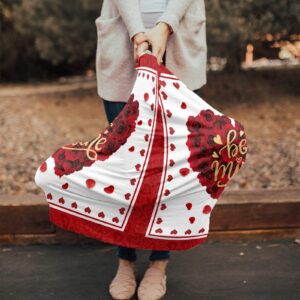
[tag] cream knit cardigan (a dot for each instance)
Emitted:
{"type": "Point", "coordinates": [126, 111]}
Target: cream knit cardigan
{"type": "Point", "coordinates": [120, 20]}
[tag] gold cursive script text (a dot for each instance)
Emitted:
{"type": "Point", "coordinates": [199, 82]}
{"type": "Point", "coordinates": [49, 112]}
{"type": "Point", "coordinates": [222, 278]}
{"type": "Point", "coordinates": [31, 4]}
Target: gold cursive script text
{"type": "Point", "coordinates": [96, 143]}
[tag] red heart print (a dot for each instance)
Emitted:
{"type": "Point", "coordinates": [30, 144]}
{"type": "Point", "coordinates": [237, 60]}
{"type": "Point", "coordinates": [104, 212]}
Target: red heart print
{"type": "Point", "coordinates": [183, 105]}
{"type": "Point", "coordinates": [142, 152]}
{"type": "Point", "coordinates": [152, 106]}
{"type": "Point", "coordinates": [143, 74]}
{"type": "Point", "coordinates": [65, 186]}
{"type": "Point", "coordinates": [109, 189]}
{"type": "Point", "coordinates": [206, 209]}
{"type": "Point", "coordinates": [147, 76]}
{"type": "Point", "coordinates": [101, 214]}
{"type": "Point", "coordinates": [188, 231]}
{"type": "Point", "coordinates": [215, 145]}
{"type": "Point", "coordinates": [153, 91]}
{"type": "Point", "coordinates": [49, 196]}
{"type": "Point", "coordinates": [74, 205]}
{"type": "Point", "coordinates": [176, 84]}
{"type": "Point", "coordinates": [164, 95]}
{"type": "Point", "coordinates": [140, 122]}
{"type": "Point", "coordinates": [189, 205]}
{"type": "Point", "coordinates": [131, 149]}
{"type": "Point", "coordinates": [169, 114]}
{"type": "Point", "coordinates": [149, 122]}
{"type": "Point", "coordinates": [171, 130]}
{"type": "Point", "coordinates": [201, 230]}
{"type": "Point", "coordinates": [132, 181]}
{"type": "Point", "coordinates": [163, 206]}
{"type": "Point", "coordinates": [192, 220]}
{"type": "Point", "coordinates": [137, 167]}
{"type": "Point", "coordinates": [172, 147]}
{"type": "Point", "coordinates": [43, 167]}
{"type": "Point", "coordinates": [172, 162]}
{"type": "Point", "coordinates": [87, 210]}
{"type": "Point", "coordinates": [170, 177]}
{"type": "Point", "coordinates": [153, 78]}
{"type": "Point", "coordinates": [162, 82]}
{"type": "Point", "coordinates": [146, 96]}
{"type": "Point", "coordinates": [61, 200]}
{"type": "Point", "coordinates": [146, 137]}
{"type": "Point", "coordinates": [167, 192]}
{"type": "Point", "coordinates": [158, 230]}
{"type": "Point", "coordinates": [174, 231]}
{"type": "Point", "coordinates": [159, 220]}
{"type": "Point", "coordinates": [115, 220]}
{"type": "Point", "coordinates": [90, 183]}
{"type": "Point", "coordinates": [122, 210]}
{"type": "Point", "coordinates": [127, 196]}
{"type": "Point", "coordinates": [184, 171]}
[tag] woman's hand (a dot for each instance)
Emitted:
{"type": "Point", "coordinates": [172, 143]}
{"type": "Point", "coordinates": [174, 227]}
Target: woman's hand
{"type": "Point", "coordinates": [140, 44]}
{"type": "Point", "coordinates": [157, 37]}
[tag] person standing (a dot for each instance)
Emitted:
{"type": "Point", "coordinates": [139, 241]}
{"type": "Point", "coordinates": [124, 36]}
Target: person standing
{"type": "Point", "coordinates": [175, 30]}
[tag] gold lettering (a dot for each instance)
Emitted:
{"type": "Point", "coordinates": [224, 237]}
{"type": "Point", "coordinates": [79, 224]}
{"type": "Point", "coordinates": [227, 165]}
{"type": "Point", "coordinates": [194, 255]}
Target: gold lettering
{"type": "Point", "coordinates": [242, 147]}
{"type": "Point", "coordinates": [223, 167]}
{"type": "Point", "coordinates": [91, 153]}
{"type": "Point", "coordinates": [230, 152]}
{"type": "Point", "coordinates": [233, 149]}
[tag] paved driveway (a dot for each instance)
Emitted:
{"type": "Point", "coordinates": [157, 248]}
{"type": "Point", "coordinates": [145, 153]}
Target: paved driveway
{"type": "Point", "coordinates": [214, 270]}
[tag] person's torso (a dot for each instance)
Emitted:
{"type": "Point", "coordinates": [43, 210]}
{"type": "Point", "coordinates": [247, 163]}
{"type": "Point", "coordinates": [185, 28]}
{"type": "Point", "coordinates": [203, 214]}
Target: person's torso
{"type": "Point", "coordinates": [186, 52]}
{"type": "Point", "coordinates": [151, 10]}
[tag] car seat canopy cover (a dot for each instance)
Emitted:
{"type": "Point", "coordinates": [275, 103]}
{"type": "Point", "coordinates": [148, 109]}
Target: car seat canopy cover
{"type": "Point", "coordinates": [152, 177]}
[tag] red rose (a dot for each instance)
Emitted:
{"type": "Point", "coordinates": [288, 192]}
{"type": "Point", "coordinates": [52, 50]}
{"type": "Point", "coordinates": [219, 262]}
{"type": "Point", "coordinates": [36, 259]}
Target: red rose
{"type": "Point", "coordinates": [208, 135]}
{"type": "Point", "coordinates": [68, 161]}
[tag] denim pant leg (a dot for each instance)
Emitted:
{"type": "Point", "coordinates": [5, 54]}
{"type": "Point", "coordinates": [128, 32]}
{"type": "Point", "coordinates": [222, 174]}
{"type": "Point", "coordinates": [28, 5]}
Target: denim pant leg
{"type": "Point", "coordinates": [112, 109]}
{"type": "Point", "coordinates": [159, 255]}
{"type": "Point", "coordinates": [126, 253]}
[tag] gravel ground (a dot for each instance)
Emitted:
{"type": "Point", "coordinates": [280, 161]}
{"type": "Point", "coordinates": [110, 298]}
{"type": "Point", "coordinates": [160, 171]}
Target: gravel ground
{"type": "Point", "coordinates": [267, 104]}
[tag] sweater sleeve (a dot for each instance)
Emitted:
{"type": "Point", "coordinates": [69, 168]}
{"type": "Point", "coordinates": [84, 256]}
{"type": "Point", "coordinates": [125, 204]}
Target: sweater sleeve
{"type": "Point", "coordinates": [174, 12]}
{"type": "Point", "coordinates": [131, 15]}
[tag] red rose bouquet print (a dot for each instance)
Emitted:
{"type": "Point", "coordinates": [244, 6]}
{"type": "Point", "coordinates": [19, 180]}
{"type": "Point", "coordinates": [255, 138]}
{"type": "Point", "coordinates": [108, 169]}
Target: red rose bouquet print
{"type": "Point", "coordinates": [151, 179]}
{"type": "Point", "coordinates": [74, 157]}
{"type": "Point", "coordinates": [217, 149]}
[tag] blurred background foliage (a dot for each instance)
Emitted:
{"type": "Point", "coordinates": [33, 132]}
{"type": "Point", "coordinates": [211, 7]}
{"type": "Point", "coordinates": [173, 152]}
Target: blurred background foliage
{"type": "Point", "coordinates": [50, 38]}
{"type": "Point", "coordinates": [233, 24]}
{"type": "Point", "coordinates": [43, 39]}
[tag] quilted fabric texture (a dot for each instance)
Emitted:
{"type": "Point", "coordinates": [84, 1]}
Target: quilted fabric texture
{"type": "Point", "coordinates": [152, 177]}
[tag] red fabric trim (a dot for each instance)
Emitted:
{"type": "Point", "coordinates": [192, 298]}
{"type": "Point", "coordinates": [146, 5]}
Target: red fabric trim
{"type": "Point", "coordinates": [112, 236]}
{"type": "Point", "coordinates": [162, 75]}
{"type": "Point", "coordinates": [146, 199]}
{"type": "Point", "coordinates": [150, 61]}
